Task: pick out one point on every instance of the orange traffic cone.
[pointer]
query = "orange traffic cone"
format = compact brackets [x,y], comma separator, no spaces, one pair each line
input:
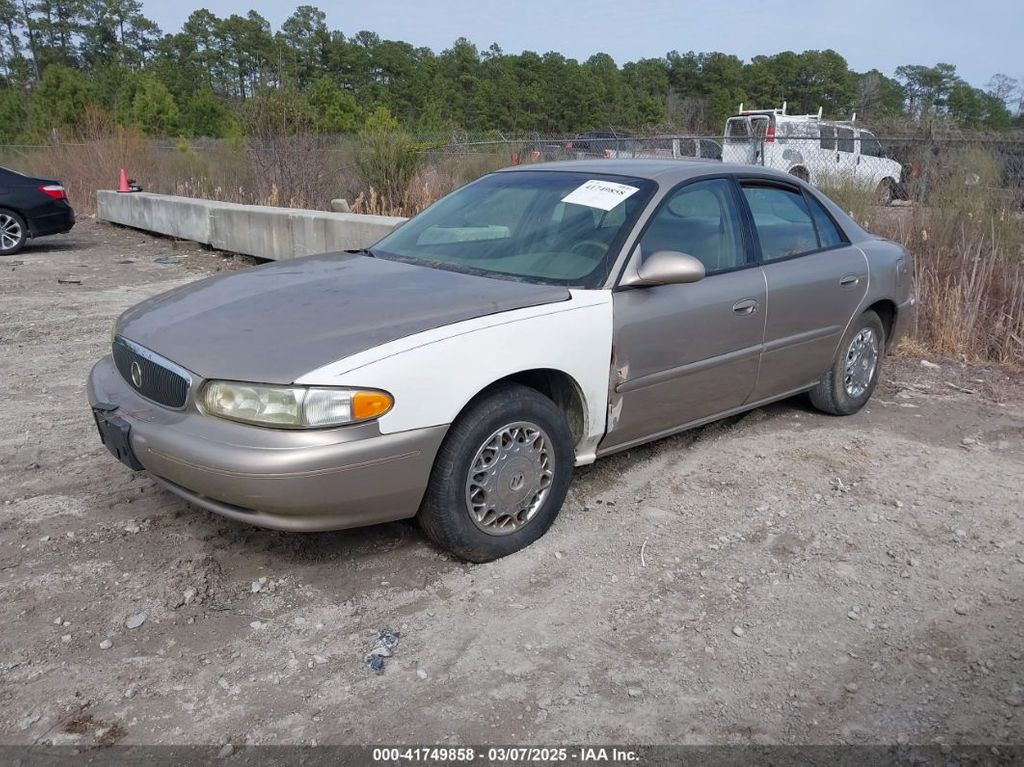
[122,183]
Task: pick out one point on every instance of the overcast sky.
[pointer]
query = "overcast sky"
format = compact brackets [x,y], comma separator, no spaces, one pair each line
[980,37]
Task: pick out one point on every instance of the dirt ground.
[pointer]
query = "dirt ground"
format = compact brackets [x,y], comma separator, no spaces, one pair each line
[780,577]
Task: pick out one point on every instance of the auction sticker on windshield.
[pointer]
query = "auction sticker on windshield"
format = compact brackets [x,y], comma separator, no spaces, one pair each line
[604,195]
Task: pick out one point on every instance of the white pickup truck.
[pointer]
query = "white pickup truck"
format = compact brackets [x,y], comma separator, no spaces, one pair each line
[823,152]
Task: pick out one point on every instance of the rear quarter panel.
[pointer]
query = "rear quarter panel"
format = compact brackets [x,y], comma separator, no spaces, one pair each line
[891,268]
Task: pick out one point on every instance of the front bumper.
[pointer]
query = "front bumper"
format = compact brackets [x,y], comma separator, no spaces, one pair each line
[282,479]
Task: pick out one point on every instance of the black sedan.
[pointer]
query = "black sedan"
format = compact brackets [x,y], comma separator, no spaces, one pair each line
[31,207]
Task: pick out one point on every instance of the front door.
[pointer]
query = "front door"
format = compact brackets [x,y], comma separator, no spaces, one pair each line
[815,281]
[684,353]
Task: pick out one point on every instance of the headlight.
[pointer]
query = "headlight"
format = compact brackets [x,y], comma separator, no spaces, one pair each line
[293,407]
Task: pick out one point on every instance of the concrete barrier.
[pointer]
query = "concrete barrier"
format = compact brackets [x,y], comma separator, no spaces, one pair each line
[274,233]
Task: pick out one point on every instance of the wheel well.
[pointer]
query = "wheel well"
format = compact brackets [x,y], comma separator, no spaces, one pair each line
[886,311]
[557,386]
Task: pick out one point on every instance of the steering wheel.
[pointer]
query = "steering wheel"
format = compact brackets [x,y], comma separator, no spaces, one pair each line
[597,244]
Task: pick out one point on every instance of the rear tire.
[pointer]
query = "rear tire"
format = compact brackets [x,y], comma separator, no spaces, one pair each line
[13,232]
[848,386]
[501,475]
[801,173]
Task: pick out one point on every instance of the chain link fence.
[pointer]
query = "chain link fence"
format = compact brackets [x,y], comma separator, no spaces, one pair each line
[893,169]
[310,171]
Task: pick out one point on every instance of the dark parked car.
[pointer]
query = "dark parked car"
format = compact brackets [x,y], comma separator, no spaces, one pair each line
[31,207]
[600,143]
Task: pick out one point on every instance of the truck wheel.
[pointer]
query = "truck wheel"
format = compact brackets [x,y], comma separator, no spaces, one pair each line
[500,477]
[886,192]
[848,386]
[13,232]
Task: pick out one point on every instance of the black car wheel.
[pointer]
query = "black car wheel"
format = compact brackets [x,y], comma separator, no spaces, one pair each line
[501,475]
[13,232]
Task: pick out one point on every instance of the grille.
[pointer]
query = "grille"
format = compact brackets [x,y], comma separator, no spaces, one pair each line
[158,379]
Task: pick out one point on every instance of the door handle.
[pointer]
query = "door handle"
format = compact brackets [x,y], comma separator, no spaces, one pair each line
[849,281]
[746,306]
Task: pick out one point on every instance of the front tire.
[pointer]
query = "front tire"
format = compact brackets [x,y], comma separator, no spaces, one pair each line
[501,475]
[848,386]
[886,192]
[13,232]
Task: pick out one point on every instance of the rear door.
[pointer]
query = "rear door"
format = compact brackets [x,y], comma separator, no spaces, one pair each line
[683,353]
[744,139]
[815,282]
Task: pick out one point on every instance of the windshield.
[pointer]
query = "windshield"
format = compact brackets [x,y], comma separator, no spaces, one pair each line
[551,227]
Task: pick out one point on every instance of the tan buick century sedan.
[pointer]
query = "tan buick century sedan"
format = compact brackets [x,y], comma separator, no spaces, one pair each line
[534,320]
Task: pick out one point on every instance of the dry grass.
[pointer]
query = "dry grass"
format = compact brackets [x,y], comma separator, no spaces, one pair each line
[294,171]
[437,175]
[969,273]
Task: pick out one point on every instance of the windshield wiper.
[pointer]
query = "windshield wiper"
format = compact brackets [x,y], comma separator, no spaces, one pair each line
[362,252]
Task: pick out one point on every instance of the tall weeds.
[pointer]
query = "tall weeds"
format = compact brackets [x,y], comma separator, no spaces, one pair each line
[969,276]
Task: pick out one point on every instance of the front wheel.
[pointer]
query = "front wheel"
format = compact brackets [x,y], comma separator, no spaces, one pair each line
[886,192]
[13,232]
[848,386]
[500,477]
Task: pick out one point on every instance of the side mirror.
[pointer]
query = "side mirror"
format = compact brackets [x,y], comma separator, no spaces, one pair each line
[665,267]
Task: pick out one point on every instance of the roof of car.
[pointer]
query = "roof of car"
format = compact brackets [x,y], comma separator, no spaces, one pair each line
[668,171]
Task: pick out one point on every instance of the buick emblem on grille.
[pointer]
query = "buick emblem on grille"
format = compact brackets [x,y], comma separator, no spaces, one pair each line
[136,375]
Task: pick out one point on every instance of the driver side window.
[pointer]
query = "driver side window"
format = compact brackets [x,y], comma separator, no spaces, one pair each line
[699,219]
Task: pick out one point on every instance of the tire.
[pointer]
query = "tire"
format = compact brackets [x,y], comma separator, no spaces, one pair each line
[886,192]
[838,394]
[801,173]
[13,232]
[496,513]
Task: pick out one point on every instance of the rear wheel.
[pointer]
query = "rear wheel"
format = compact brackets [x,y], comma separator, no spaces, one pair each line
[13,232]
[500,477]
[848,386]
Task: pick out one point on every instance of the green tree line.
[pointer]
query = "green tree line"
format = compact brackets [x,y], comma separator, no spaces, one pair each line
[64,62]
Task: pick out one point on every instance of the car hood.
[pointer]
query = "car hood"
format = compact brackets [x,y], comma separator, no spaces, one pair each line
[274,323]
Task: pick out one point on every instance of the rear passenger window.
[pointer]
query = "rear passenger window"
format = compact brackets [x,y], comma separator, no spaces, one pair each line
[700,219]
[828,137]
[828,233]
[783,223]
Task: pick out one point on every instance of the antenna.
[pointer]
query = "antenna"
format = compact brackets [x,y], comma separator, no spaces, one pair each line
[854,118]
[784,104]
[741,106]
[819,112]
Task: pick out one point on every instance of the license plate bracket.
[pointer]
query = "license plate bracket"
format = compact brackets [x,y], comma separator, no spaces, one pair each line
[115,434]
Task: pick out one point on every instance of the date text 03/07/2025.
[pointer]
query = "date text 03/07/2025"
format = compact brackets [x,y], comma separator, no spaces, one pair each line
[499,754]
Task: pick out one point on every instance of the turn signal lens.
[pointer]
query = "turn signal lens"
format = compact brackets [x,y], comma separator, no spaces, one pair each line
[370,404]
